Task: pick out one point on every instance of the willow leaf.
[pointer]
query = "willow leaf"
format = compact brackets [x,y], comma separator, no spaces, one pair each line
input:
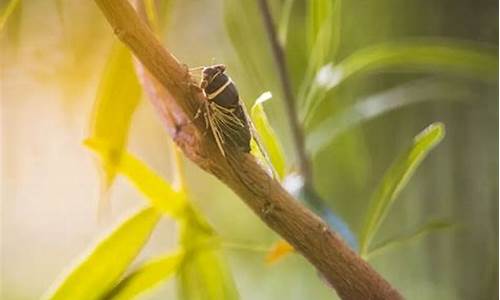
[268,136]
[451,58]
[158,191]
[117,98]
[146,277]
[374,106]
[395,179]
[285,21]
[96,274]
[205,276]
[7,12]
[399,241]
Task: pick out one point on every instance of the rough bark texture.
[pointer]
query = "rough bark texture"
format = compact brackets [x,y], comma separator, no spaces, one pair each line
[177,98]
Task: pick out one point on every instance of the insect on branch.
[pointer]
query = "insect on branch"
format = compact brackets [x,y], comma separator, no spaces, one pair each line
[177,97]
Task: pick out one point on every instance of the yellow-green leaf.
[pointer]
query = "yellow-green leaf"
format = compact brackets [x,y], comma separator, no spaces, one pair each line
[96,274]
[268,136]
[395,179]
[117,97]
[146,277]
[399,241]
[204,275]
[7,11]
[158,191]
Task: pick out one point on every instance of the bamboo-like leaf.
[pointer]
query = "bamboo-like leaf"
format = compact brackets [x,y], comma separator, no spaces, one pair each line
[379,104]
[7,11]
[268,136]
[399,241]
[96,274]
[323,21]
[205,276]
[395,179]
[158,191]
[117,98]
[452,58]
[146,277]
[323,30]
[284,21]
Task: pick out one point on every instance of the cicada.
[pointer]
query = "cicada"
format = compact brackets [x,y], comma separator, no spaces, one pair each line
[225,113]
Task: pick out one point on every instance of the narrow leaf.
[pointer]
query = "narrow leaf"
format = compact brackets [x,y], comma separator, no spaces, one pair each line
[205,276]
[399,241]
[7,12]
[117,98]
[284,21]
[379,104]
[96,274]
[158,191]
[452,58]
[395,179]
[323,38]
[146,277]
[268,136]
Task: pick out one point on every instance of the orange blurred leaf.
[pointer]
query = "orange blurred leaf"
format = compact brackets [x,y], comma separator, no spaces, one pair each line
[280,249]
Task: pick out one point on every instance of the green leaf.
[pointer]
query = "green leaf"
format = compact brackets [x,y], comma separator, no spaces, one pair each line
[268,136]
[285,21]
[323,21]
[7,12]
[395,179]
[146,277]
[158,191]
[323,30]
[96,274]
[117,98]
[379,104]
[396,242]
[205,276]
[453,58]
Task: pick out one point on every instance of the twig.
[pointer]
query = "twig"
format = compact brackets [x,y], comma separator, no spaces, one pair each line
[280,59]
[177,98]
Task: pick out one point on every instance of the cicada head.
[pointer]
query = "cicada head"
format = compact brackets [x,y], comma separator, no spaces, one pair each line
[209,74]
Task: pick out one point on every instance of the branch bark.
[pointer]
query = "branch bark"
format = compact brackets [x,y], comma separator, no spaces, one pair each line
[177,98]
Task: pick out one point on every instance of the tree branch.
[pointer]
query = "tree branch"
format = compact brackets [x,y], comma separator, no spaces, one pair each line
[177,98]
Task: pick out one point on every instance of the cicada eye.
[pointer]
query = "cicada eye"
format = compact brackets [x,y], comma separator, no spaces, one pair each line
[220,68]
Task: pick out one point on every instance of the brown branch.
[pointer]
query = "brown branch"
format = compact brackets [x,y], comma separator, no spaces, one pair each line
[177,98]
[297,131]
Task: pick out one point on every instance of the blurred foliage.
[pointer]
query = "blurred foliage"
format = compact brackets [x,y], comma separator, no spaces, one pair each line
[146,277]
[99,271]
[202,273]
[7,10]
[395,179]
[111,120]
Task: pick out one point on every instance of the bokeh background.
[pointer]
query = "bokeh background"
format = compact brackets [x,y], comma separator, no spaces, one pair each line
[52,57]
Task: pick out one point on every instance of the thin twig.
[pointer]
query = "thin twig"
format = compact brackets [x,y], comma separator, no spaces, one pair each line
[280,59]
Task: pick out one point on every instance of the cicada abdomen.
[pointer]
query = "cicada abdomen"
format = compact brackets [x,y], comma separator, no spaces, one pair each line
[224,113]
